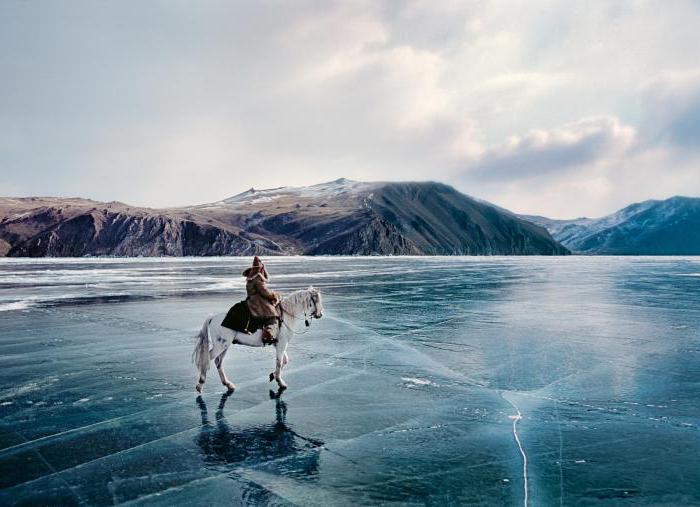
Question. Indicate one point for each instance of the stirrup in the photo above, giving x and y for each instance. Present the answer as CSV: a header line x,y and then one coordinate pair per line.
x,y
268,339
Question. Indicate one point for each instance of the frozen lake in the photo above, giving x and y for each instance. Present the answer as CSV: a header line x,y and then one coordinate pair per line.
x,y
407,391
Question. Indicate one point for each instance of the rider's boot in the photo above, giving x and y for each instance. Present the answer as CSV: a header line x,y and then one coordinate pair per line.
x,y
267,337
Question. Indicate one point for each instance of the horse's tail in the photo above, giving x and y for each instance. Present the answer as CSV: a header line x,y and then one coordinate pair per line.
x,y
200,355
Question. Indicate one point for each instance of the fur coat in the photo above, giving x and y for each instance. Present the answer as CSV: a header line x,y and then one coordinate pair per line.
x,y
261,300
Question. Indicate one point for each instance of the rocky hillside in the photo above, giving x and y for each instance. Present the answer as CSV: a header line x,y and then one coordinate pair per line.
x,y
37,227
669,227
338,218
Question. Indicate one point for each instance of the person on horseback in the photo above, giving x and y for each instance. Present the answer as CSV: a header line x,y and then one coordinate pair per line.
x,y
262,302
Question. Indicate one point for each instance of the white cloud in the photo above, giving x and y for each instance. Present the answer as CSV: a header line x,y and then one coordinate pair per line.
x,y
672,103
543,152
545,106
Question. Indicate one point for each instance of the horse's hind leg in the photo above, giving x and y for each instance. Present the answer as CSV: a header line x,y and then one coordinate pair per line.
x,y
219,362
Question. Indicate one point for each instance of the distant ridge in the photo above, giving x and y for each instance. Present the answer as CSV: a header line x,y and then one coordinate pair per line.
x,y
341,217
667,227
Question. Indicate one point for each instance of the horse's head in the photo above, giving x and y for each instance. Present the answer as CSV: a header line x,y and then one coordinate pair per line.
x,y
315,305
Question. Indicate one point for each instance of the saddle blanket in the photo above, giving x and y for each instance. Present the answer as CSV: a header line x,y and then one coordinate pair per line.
x,y
239,319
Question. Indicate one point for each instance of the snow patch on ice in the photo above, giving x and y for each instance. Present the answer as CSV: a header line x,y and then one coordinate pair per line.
x,y
418,381
21,390
15,305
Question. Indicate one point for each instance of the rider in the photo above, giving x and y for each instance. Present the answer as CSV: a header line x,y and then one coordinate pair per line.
x,y
262,302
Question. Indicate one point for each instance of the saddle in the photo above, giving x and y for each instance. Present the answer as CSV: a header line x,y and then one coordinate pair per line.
x,y
239,319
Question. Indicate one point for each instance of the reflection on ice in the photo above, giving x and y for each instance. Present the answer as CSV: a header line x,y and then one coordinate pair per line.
x,y
224,446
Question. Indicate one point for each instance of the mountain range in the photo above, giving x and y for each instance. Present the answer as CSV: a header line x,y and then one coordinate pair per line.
x,y
341,217
667,227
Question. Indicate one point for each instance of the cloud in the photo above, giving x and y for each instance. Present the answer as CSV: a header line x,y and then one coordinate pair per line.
x,y
166,104
544,152
672,101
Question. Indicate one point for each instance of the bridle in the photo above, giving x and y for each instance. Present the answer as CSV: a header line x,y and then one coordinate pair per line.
x,y
314,314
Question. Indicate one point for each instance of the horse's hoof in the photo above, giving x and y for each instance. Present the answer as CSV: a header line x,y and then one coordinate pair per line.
x,y
199,388
272,377
282,387
231,387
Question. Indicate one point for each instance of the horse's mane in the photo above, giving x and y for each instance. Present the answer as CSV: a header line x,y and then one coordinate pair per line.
x,y
296,297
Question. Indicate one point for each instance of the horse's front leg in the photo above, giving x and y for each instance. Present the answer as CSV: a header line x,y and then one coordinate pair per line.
x,y
280,362
219,362
200,382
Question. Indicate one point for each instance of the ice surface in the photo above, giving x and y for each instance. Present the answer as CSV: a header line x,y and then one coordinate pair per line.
x,y
411,389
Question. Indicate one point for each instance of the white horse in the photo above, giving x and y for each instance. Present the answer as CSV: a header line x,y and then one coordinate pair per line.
x,y
213,341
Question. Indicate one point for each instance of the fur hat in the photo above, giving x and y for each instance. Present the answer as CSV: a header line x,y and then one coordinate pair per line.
x,y
258,268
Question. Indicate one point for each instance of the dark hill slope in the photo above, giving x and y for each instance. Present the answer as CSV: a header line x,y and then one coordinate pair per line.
x,y
439,220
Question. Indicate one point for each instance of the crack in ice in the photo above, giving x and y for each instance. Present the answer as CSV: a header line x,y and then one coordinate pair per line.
x,y
515,418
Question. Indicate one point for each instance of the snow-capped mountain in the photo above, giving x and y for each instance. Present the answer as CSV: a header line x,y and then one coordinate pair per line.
x,y
668,227
341,217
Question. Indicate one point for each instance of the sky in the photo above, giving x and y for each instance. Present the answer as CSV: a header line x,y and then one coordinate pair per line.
x,y
560,108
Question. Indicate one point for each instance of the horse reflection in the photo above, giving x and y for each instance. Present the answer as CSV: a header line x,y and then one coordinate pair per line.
x,y
224,445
